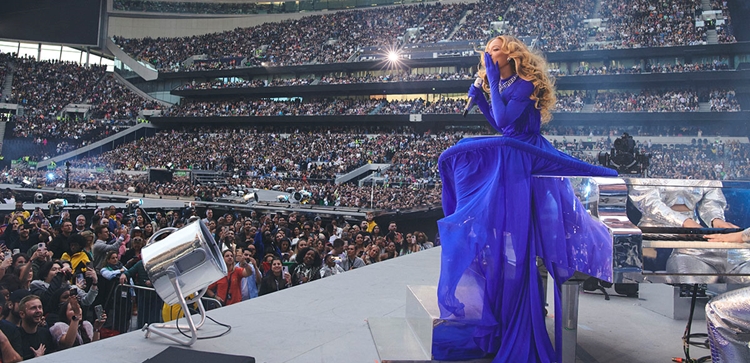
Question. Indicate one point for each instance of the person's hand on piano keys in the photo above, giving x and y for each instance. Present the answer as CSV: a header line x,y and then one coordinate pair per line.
x,y
718,223
690,223
735,237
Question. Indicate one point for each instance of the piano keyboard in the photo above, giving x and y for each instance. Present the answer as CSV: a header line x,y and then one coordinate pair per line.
x,y
693,244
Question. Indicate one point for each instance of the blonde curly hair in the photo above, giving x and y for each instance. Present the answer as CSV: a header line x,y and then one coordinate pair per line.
x,y
530,66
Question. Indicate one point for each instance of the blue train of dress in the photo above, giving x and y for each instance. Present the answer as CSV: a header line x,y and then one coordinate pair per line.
x,y
498,219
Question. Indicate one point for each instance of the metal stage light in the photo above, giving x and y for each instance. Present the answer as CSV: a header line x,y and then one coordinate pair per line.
x,y
132,204
251,197
184,263
38,198
56,205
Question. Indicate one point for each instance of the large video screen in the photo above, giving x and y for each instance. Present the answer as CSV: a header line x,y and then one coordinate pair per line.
x,y
75,22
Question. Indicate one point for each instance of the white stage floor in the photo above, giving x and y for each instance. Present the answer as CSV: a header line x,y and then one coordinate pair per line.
x,y
326,321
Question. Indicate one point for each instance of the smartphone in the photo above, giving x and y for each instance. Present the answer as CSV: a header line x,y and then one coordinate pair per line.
x,y
41,245
8,255
99,310
285,269
80,278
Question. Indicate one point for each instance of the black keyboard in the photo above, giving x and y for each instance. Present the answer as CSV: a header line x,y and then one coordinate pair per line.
x,y
672,237
682,234
681,230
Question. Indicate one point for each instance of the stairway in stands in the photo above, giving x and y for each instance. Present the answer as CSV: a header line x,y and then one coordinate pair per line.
x,y
7,86
711,36
2,132
5,90
460,23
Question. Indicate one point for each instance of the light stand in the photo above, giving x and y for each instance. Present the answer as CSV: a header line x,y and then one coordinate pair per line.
x,y
67,175
192,327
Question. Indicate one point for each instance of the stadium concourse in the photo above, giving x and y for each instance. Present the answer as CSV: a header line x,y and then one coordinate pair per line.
x,y
198,107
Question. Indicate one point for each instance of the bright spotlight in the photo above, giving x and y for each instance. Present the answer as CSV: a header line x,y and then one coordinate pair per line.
x,y
392,57
50,176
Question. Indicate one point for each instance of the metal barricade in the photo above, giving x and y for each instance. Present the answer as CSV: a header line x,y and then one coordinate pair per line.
x,y
149,307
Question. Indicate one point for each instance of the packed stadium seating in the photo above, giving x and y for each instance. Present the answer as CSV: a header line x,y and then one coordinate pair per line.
x,y
326,38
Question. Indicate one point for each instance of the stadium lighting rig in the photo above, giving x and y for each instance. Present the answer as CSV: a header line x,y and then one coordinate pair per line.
x,y
392,58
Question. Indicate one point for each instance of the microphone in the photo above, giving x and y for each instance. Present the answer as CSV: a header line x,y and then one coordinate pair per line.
x,y
477,83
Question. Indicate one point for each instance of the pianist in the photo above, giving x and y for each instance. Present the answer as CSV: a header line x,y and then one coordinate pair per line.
x,y
686,206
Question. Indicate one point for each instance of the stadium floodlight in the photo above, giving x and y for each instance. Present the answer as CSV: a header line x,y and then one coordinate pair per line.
x,y
393,57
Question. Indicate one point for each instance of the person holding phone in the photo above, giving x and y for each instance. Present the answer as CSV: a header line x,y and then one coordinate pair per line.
x,y
277,279
250,283
228,290
72,330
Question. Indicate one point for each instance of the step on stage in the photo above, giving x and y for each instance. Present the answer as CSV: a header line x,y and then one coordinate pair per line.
x,y
327,321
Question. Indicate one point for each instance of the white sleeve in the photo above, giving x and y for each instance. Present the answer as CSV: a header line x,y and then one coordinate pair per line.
x,y
58,331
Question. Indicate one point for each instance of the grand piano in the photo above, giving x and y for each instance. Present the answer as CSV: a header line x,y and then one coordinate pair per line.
x,y
642,244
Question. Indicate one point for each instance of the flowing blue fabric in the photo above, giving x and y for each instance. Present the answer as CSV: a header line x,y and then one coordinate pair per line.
x,y
498,219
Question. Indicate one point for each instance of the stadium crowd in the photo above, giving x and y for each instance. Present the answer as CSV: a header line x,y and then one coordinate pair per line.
x,y
45,88
328,79
327,38
648,24
182,7
64,277
404,76
716,65
646,100
665,101
277,158
113,101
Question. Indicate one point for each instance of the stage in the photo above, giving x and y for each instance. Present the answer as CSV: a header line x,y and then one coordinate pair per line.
x,y
326,321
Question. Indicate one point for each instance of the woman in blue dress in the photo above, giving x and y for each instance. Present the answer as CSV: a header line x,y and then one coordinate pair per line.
x,y
498,219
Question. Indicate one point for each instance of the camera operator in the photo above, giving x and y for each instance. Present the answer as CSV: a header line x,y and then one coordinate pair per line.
x,y
625,157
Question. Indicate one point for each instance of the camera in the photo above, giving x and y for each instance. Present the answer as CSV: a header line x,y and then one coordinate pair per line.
x,y
625,158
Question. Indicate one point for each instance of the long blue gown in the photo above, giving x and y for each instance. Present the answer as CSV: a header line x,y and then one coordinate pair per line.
x,y
498,219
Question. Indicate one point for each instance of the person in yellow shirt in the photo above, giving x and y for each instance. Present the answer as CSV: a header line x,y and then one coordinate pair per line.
x,y
369,218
